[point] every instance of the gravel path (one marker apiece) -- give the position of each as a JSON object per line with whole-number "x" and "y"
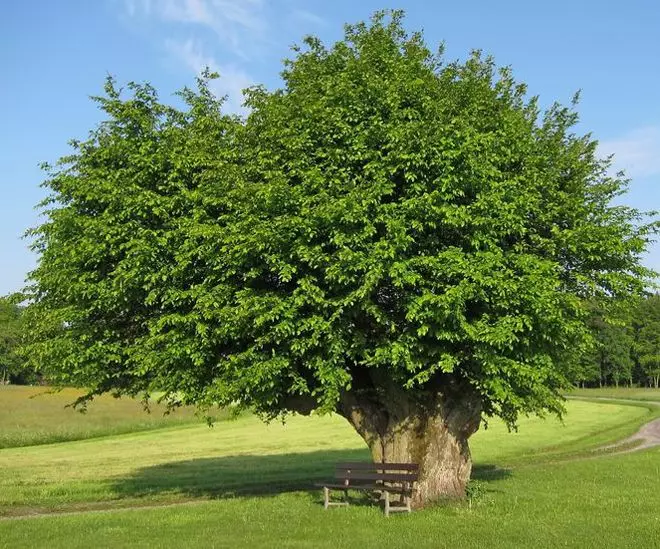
{"x": 648, "y": 435}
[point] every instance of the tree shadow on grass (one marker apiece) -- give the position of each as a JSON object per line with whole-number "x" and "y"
{"x": 240, "y": 475}
{"x": 251, "y": 475}
{"x": 488, "y": 471}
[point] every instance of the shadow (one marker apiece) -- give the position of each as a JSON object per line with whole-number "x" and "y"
{"x": 488, "y": 471}
{"x": 250, "y": 475}
{"x": 241, "y": 475}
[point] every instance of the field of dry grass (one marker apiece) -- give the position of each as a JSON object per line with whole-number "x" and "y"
{"x": 33, "y": 415}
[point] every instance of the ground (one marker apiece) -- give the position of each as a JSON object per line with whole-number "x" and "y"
{"x": 243, "y": 483}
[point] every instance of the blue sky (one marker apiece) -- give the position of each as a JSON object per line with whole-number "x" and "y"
{"x": 54, "y": 55}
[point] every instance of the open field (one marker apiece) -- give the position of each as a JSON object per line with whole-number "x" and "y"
{"x": 630, "y": 393}
{"x": 248, "y": 484}
{"x": 32, "y": 415}
{"x": 610, "y": 502}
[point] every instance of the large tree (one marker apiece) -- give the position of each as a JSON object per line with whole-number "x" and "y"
{"x": 403, "y": 242}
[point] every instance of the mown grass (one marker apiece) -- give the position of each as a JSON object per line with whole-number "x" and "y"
{"x": 627, "y": 393}
{"x": 33, "y": 415}
{"x": 248, "y": 485}
{"x": 244, "y": 456}
{"x": 610, "y": 502}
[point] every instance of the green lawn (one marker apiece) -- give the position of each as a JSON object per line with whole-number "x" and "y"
{"x": 32, "y": 415}
{"x": 611, "y": 502}
{"x": 631, "y": 393}
{"x": 248, "y": 485}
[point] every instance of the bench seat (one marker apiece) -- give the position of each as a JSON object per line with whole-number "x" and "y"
{"x": 386, "y": 478}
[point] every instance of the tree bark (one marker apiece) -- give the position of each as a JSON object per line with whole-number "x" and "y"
{"x": 432, "y": 432}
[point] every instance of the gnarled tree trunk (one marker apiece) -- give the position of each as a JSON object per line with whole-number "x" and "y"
{"x": 432, "y": 432}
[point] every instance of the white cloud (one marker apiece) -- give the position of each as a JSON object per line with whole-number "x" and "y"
{"x": 219, "y": 34}
{"x": 191, "y": 54}
{"x": 186, "y": 11}
{"x": 305, "y": 16}
{"x": 232, "y": 80}
{"x": 637, "y": 152}
{"x": 240, "y": 24}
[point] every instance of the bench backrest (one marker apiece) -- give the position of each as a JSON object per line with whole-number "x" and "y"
{"x": 390, "y": 472}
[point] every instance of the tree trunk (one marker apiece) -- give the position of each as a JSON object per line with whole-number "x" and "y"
{"x": 432, "y": 434}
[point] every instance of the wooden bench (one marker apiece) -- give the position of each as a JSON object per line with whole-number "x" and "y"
{"x": 386, "y": 478}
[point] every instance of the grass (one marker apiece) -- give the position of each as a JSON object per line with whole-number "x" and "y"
{"x": 180, "y": 464}
{"x": 627, "y": 393}
{"x": 248, "y": 484}
{"x": 611, "y": 502}
{"x": 32, "y": 415}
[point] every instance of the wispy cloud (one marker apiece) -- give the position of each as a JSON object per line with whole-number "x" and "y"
{"x": 239, "y": 24}
{"x": 637, "y": 152}
{"x": 232, "y": 80}
{"x": 231, "y": 37}
{"x": 305, "y": 16}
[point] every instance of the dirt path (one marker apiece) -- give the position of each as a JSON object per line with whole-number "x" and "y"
{"x": 648, "y": 435}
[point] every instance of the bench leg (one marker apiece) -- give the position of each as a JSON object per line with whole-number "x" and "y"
{"x": 387, "y": 503}
{"x": 326, "y": 497}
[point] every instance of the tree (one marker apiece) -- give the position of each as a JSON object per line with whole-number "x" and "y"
{"x": 647, "y": 342}
{"x": 11, "y": 365}
{"x": 611, "y": 357}
{"x": 403, "y": 242}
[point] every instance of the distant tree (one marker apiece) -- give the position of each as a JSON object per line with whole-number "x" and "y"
{"x": 12, "y": 367}
{"x": 609, "y": 357}
{"x": 648, "y": 338}
{"x": 401, "y": 241}
{"x": 612, "y": 327}
{"x": 615, "y": 350}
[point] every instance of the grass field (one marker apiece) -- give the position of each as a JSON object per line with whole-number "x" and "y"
{"x": 631, "y": 393}
{"x": 611, "y": 502}
{"x": 32, "y": 415}
{"x": 248, "y": 485}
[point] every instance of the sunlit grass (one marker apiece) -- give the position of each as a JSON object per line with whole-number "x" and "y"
{"x": 195, "y": 461}
{"x": 611, "y": 502}
{"x": 249, "y": 485}
{"x": 33, "y": 415}
{"x": 632, "y": 393}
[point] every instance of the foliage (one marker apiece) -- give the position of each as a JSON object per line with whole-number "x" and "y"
{"x": 13, "y": 368}
{"x": 385, "y": 220}
{"x": 624, "y": 335}
{"x": 610, "y": 358}
{"x": 647, "y": 343}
